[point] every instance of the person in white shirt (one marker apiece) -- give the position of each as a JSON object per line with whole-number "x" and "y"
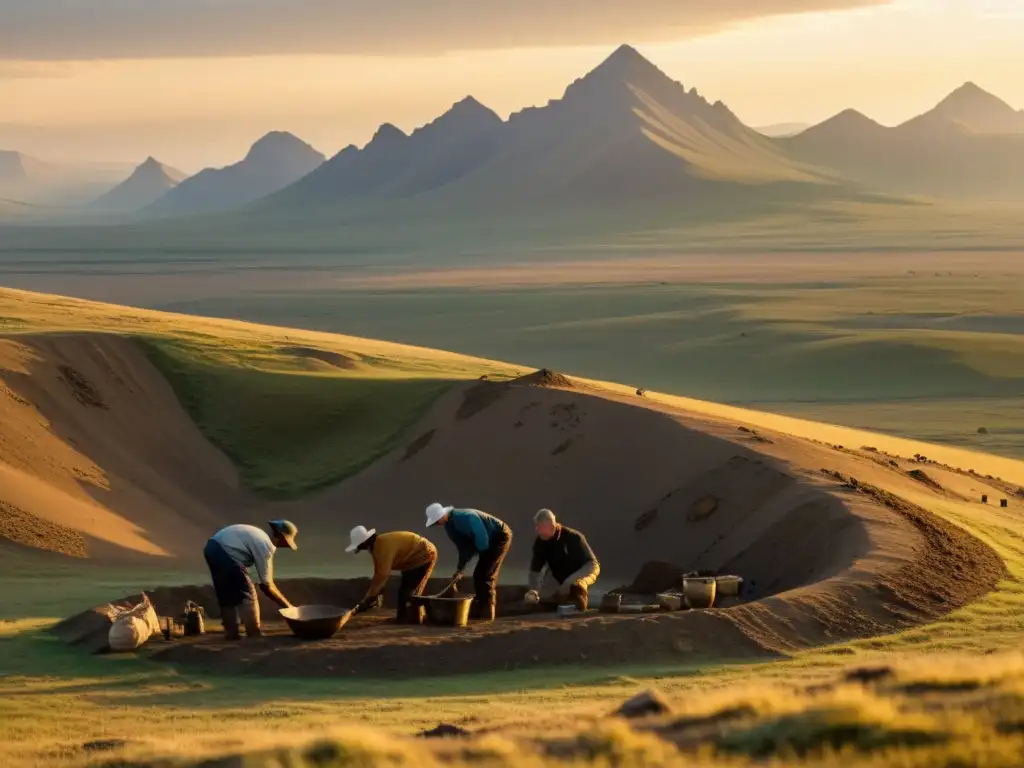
{"x": 229, "y": 554}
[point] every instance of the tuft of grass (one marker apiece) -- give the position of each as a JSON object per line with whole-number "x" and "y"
{"x": 817, "y": 731}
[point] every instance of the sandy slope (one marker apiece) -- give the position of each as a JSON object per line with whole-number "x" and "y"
{"x": 94, "y": 441}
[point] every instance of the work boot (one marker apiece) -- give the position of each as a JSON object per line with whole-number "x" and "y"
{"x": 483, "y": 611}
{"x": 229, "y": 617}
{"x": 578, "y": 595}
{"x": 251, "y": 619}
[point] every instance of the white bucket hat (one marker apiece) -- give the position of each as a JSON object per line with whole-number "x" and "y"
{"x": 435, "y": 512}
{"x": 359, "y": 536}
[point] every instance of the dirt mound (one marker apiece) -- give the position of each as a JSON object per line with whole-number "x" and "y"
{"x": 953, "y": 569}
{"x": 335, "y": 359}
{"x": 923, "y": 477}
{"x": 28, "y": 530}
{"x": 545, "y": 378}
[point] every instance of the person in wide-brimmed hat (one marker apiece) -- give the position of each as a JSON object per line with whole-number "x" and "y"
{"x": 408, "y": 553}
{"x": 479, "y": 534}
{"x": 229, "y": 554}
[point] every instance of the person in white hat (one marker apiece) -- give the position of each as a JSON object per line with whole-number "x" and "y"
{"x": 478, "y": 534}
{"x": 408, "y": 553}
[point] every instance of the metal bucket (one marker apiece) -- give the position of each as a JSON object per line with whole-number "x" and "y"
{"x": 728, "y": 586}
{"x": 315, "y": 622}
{"x": 445, "y": 611}
{"x": 699, "y": 591}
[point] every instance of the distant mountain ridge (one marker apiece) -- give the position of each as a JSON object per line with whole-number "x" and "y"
{"x": 969, "y": 147}
{"x": 625, "y": 130}
{"x": 624, "y": 138}
{"x": 149, "y": 182}
{"x": 273, "y": 162}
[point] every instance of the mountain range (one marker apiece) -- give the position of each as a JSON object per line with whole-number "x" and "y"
{"x": 624, "y": 136}
{"x": 628, "y": 135}
{"x": 275, "y": 161}
{"x": 147, "y": 184}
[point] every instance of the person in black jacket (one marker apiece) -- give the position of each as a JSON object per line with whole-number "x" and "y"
{"x": 564, "y": 557}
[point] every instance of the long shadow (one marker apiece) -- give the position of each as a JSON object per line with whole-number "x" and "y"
{"x": 105, "y": 679}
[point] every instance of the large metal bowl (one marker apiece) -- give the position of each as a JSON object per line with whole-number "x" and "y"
{"x": 315, "y": 622}
{"x": 445, "y": 611}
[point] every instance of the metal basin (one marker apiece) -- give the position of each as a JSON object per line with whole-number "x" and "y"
{"x": 445, "y": 611}
{"x": 315, "y": 622}
{"x": 699, "y": 591}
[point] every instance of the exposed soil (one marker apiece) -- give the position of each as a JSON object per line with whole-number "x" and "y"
{"x": 545, "y": 378}
{"x": 480, "y": 397}
{"x": 485, "y": 393}
{"x": 952, "y": 570}
{"x": 923, "y": 477}
{"x": 28, "y": 530}
{"x": 418, "y": 444}
{"x": 82, "y": 390}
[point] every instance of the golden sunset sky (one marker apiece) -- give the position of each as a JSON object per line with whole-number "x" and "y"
{"x": 194, "y": 82}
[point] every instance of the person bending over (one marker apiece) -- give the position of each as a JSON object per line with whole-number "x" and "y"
{"x": 229, "y": 554}
{"x": 408, "y": 553}
{"x": 478, "y": 534}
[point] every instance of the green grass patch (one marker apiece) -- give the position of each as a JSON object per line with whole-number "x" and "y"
{"x": 293, "y": 431}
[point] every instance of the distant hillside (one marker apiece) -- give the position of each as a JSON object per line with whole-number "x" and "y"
{"x": 969, "y": 147}
{"x": 275, "y": 161}
{"x": 148, "y": 183}
{"x": 978, "y": 111}
{"x": 18, "y": 170}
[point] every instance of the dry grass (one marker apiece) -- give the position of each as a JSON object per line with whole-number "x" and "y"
{"x": 942, "y": 704}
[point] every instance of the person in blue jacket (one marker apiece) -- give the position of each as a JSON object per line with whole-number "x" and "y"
{"x": 479, "y": 534}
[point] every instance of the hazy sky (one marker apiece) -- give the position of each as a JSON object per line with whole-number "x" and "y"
{"x": 193, "y": 82}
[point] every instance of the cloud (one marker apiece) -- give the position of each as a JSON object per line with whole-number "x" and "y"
{"x": 64, "y": 30}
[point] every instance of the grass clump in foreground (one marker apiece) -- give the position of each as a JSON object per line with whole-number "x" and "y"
{"x": 835, "y": 723}
{"x": 293, "y": 431}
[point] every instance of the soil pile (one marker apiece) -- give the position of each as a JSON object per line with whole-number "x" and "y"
{"x": 545, "y": 378}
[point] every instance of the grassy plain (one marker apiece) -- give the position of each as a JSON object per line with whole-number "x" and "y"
{"x": 945, "y": 703}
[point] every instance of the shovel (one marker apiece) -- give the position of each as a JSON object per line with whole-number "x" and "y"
{"x": 453, "y": 588}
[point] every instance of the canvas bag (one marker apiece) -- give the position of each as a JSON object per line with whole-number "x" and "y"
{"x": 132, "y": 627}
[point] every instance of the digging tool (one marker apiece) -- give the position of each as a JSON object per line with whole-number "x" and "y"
{"x": 453, "y": 588}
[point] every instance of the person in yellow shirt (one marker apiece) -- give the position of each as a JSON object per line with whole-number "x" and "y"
{"x": 408, "y": 553}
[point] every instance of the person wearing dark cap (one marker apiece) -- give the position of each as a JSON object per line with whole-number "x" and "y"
{"x": 230, "y": 553}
